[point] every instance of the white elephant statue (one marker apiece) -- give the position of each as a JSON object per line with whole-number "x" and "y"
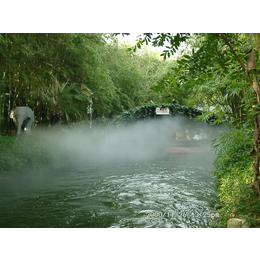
{"x": 23, "y": 117}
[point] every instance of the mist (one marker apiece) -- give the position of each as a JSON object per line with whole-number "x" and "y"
{"x": 142, "y": 141}
{"x": 75, "y": 176}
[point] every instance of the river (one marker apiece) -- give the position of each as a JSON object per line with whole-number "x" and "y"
{"x": 176, "y": 191}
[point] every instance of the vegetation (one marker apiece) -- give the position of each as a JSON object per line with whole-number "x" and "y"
{"x": 216, "y": 70}
{"x": 54, "y": 75}
{"x": 149, "y": 111}
{"x": 234, "y": 176}
{"x": 212, "y": 76}
{"x": 29, "y": 153}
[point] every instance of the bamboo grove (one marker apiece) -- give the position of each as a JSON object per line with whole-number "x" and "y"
{"x": 54, "y": 74}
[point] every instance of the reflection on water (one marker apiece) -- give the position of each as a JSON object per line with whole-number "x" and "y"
{"x": 174, "y": 192}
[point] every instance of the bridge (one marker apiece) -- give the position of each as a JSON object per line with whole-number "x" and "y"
{"x": 158, "y": 111}
{"x": 185, "y": 134}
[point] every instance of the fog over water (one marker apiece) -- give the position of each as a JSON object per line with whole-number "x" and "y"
{"x": 116, "y": 177}
{"x": 143, "y": 140}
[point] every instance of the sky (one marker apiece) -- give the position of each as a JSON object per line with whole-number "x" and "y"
{"x": 134, "y": 36}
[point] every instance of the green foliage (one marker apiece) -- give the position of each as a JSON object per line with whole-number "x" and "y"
{"x": 6, "y": 104}
{"x": 232, "y": 151}
{"x": 133, "y": 74}
{"x": 209, "y": 74}
{"x": 237, "y": 199}
{"x": 43, "y": 70}
{"x": 54, "y": 74}
{"x": 169, "y": 40}
{"x": 233, "y": 175}
{"x": 149, "y": 111}
{"x": 27, "y": 153}
{"x": 33, "y": 65}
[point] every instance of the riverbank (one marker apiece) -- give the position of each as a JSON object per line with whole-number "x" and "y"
{"x": 29, "y": 153}
{"x": 233, "y": 176}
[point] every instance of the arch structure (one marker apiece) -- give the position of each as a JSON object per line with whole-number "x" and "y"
{"x": 183, "y": 133}
{"x": 158, "y": 111}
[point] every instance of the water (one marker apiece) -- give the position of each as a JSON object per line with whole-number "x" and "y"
{"x": 176, "y": 191}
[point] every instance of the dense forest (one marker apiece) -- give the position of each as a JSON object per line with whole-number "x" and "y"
{"x": 55, "y": 74}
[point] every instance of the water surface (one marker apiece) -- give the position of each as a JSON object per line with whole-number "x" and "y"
{"x": 172, "y": 192}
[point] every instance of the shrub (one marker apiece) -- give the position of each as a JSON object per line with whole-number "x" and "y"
{"x": 232, "y": 151}
{"x": 28, "y": 153}
{"x": 233, "y": 175}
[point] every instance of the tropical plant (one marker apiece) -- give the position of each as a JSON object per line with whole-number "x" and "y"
{"x": 233, "y": 177}
{"x": 215, "y": 50}
{"x": 36, "y": 68}
{"x": 133, "y": 74}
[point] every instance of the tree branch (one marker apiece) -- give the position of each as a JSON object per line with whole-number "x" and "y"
{"x": 253, "y": 50}
{"x": 239, "y": 61}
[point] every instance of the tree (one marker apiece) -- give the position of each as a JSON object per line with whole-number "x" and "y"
{"x": 54, "y": 74}
{"x": 213, "y": 77}
{"x": 133, "y": 75}
{"x": 252, "y": 66}
{"x": 39, "y": 69}
{"x": 213, "y": 56}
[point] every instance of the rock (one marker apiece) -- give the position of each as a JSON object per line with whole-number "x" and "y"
{"x": 234, "y": 223}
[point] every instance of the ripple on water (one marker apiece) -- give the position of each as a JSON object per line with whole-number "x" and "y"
{"x": 160, "y": 194}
